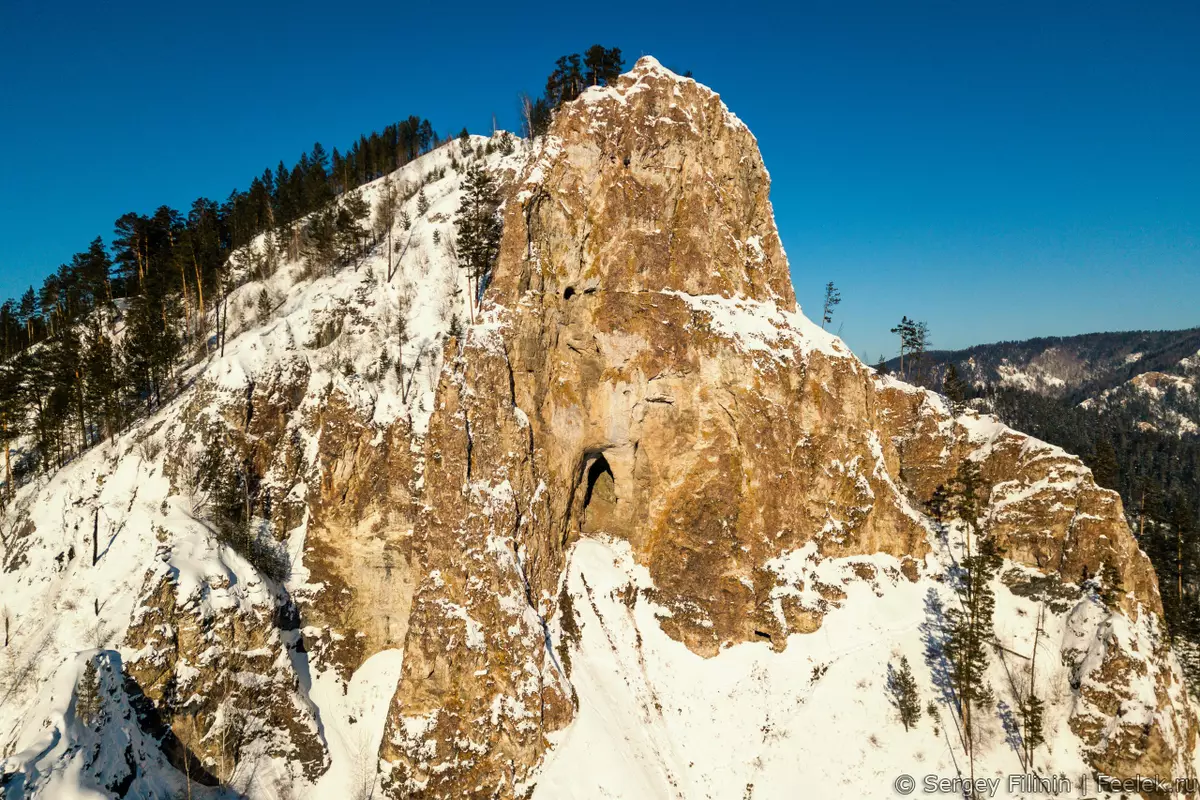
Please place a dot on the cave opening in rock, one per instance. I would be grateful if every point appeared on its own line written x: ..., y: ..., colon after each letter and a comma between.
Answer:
x: 568, y: 293
x: 600, y: 495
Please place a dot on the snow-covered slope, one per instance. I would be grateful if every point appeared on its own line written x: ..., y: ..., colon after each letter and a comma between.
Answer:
x: 64, y: 606
x: 658, y: 721
x: 1059, y: 366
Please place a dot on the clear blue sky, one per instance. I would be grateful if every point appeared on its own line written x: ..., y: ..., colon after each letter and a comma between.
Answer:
x: 1001, y: 170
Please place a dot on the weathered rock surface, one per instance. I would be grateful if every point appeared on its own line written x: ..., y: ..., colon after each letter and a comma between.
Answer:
x: 642, y: 371
x: 639, y: 376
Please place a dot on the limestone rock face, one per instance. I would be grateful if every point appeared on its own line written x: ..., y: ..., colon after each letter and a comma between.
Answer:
x: 640, y: 371
x: 217, y: 670
x: 648, y: 186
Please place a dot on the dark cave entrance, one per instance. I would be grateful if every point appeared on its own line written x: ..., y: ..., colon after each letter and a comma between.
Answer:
x: 600, y: 495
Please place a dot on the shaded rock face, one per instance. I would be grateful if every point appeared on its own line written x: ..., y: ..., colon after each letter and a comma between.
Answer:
x: 326, y: 466
x: 219, y: 672
x: 641, y: 372
x: 224, y: 667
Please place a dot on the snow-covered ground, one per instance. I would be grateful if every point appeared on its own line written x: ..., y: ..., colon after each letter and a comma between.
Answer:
x: 815, y: 720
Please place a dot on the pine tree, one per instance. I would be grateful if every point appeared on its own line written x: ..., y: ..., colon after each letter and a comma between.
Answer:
x: 385, y: 218
x: 1109, y: 588
x: 319, y: 248
x: 422, y: 202
x: 902, y: 687
x: 1181, y: 520
x: 1105, y: 469
x: 1032, y: 715
x: 350, y: 224
x: 93, y: 267
x: 918, y: 344
x: 229, y: 503
x: 832, y: 298
x: 102, y: 380
x: 602, y: 65
x: 969, y: 624
x: 955, y: 389
x: 12, y: 411
x: 316, y: 178
x: 904, y: 329
x: 479, y: 230
x: 1032, y: 707
x: 969, y: 634
x: 506, y: 145
x: 963, y: 498
x: 566, y: 82
x: 88, y: 702
x: 426, y: 139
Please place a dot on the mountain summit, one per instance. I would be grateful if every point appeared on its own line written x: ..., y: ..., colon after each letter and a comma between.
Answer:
x: 635, y: 527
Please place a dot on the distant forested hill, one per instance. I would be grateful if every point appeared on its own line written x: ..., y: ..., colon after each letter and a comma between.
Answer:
x: 1072, y: 366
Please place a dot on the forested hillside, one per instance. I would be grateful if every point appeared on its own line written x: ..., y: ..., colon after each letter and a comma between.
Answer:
x: 1071, y: 366
x: 102, y: 338
x: 1127, y: 403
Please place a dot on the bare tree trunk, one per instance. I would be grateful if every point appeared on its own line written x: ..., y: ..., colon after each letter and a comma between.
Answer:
x: 223, y: 327
x: 82, y: 420
x: 1179, y: 563
x: 1037, y: 633
x: 200, y: 293
x: 187, y: 307
x: 8, y: 487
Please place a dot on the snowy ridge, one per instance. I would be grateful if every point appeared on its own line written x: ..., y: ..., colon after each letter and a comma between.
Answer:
x: 764, y: 327
x: 1170, y: 403
x: 327, y: 330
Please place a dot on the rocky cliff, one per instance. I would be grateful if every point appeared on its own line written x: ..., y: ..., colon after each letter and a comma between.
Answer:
x: 638, y: 529
x: 644, y: 375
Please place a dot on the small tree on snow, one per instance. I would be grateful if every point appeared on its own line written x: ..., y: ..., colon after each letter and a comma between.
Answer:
x: 1108, y: 586
x: 1031, y: 706
x: 969, y: 635
x: 386, y: 211
x: 479, y: 230
x: 87, y: 694
x: 902, y: 687
x: 955, y: 389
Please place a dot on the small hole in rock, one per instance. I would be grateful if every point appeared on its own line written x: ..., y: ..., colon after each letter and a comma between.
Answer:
x: 568, y: 293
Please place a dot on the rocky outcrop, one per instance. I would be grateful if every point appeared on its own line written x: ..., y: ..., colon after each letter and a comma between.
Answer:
x: 640, y: 456
x: 641, y: 371
x: 217, y: 669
